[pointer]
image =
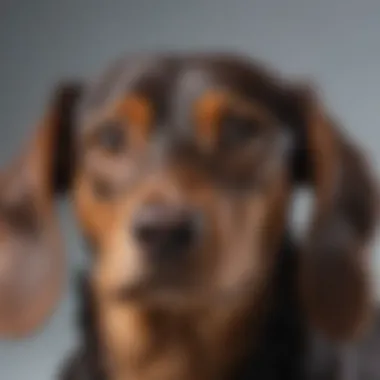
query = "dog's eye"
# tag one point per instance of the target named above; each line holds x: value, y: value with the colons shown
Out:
x: 236, y: 130
x: 111, y: 136
x: 102, y: 189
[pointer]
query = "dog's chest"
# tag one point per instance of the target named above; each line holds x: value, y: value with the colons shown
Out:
x: 170, y: 347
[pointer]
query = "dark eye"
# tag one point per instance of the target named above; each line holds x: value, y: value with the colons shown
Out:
x: 102, y: 189
x: 237, y: 130
x: 111, y: 136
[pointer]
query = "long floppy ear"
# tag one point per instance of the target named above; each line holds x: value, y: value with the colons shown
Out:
x: 32, y: 262
x: 335, y: 282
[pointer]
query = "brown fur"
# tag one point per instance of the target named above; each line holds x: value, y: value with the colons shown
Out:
x: 192, y: 321
x: 32, y: 261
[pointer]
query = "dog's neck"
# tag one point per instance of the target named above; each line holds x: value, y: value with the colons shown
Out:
x: 153, y: 344
x: 214, y: 343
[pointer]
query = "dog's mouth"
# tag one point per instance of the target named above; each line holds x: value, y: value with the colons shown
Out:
x: 136, y: 291
x: 171, y: 287
x: 180, y: 292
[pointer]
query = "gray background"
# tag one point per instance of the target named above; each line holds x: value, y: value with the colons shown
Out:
x: 335, y: 42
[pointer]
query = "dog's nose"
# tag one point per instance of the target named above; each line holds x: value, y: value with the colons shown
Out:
x: 166, y: 231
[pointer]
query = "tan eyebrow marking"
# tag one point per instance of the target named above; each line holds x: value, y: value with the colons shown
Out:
x: 134, y: 111
x: 209, y: 109
x: 139, y: 114
x: 207, y: 112
x: 137, y: 109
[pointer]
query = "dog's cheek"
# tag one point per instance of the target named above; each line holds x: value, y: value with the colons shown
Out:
x: 94, y: 217
x: 116, y: 262
x: 238, y: 226
x: 119, y: 264
x: 257, y: 231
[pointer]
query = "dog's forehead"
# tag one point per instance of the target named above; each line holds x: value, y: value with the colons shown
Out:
x: 123, y: 76
x: 173, y: 80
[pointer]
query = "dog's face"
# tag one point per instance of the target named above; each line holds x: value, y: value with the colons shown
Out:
x: 180, y: 168
x: 181, y: 181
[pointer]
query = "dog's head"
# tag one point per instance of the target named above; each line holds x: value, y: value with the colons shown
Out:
x: 184, y: 168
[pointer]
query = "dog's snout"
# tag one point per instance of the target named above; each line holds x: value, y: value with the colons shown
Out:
x: 166, y: 231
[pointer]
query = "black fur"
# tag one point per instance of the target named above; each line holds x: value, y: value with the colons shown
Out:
x: 287, y: 351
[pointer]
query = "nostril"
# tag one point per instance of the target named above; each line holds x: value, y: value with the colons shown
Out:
x: 184, y: 233
x: 146, y: 234
x: 165, y: 231
x: 166, y: 235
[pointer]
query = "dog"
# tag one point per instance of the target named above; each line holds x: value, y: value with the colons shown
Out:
x: 182, y: 168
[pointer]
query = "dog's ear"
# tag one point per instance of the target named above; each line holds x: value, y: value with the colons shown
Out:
x: 32, y: 263
x: 335, y: 283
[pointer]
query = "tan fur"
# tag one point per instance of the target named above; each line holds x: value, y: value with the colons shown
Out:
x: 193, y: 341
x: 209, y: 108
